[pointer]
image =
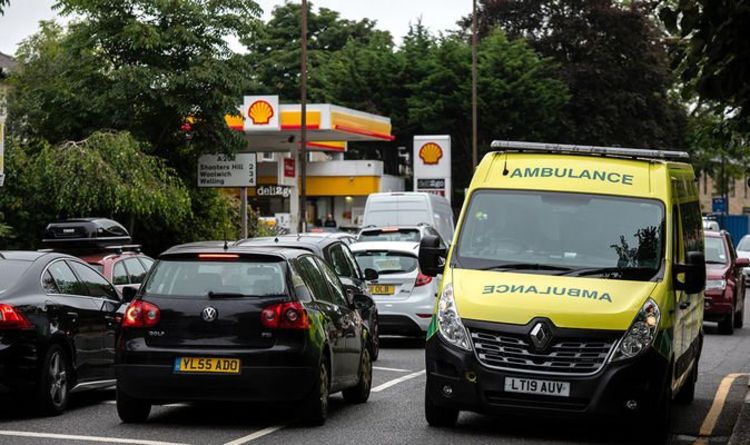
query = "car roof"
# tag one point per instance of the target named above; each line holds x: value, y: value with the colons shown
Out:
x: 192, y: 248
x: 102, y: 256
x: 713, y: 233
x: 29, y: 255
x: 396, y: 246
x: 311, y: 240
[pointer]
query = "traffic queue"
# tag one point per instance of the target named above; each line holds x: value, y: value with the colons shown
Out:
x: 573, y: 286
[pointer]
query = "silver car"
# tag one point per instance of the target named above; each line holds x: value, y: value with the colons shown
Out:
x: 743, y: 251
x: 404, y: 296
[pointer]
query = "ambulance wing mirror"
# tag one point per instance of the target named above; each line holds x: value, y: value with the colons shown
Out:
x: 691, y: 276
x: 431, y: 255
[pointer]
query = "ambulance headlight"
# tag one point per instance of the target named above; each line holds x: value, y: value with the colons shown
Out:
x: 449, y: 323
x: 642, y: 332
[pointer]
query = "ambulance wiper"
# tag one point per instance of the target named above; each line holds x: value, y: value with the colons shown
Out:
x: 525, y: 266
x: 619, y: 271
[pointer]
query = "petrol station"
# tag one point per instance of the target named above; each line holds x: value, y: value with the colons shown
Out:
x: 333, y: 185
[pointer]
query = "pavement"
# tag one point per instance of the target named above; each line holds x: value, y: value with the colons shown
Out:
x: 394, y: 413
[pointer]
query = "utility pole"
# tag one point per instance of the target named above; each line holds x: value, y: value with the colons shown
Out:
x: 302, y: 221
x: 474, y: 154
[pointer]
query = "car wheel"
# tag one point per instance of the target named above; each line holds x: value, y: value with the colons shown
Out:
x: 686, y: 394
x: 316, y: 406
x: 375, y: 342
x: 361, y: 392
x: 739, y: 317
x: 726, y: 326
x: 439, y: 416
x: 54, y: 384
x: 132, y: 410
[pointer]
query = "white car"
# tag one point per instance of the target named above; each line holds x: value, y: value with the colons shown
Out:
x: 404, y: 296
x: 743, y: 251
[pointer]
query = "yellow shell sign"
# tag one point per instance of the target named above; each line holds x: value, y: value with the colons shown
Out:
x: 260, y: 112
x: 430, y: 153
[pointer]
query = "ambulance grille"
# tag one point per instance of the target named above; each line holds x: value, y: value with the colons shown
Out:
x: 566, y: 356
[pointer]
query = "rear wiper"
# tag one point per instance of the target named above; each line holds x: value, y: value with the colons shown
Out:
x: 212, y: 294
x: 610, y: 270
x: 525, y: 266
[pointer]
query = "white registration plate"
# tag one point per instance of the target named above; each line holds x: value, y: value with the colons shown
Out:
x: 539, y: 387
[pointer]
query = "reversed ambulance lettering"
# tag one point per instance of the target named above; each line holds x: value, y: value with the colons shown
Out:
x: 572, y: 173
x: 547, y: 290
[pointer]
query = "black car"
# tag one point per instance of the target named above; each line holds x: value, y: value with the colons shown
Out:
x: 333, y: 248
x: 241, y: 324
x: 58, y: 320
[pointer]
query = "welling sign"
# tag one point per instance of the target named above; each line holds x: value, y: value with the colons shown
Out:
x: 227, y: 171
x: 432, y: 165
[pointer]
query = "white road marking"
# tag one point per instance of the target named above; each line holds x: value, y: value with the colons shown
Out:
x: 394, y: 382
x: 85, y: 438
x: 256, y: 435
x: 382, y: 368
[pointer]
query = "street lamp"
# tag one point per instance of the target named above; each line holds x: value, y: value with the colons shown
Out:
x: 303, y: 124
x: 474, y: 153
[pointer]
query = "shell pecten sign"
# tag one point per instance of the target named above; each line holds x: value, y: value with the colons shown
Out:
x: 430, y: 153
x: 261, y: 113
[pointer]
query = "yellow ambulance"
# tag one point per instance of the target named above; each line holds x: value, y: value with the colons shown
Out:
x: 573, y: 287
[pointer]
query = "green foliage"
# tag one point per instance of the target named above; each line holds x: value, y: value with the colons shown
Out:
x: 3, y: 4
x: 713, y: 55
x: 611, y: 56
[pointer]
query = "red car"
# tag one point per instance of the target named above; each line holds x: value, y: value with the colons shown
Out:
x: 725, y: 284
x: 120, y: 266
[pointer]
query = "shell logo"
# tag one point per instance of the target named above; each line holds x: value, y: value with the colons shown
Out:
x: 260, y: 112
x: 431, y: 153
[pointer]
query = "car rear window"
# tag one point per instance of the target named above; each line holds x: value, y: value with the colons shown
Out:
x: 386, y: 262
x: 390, y: 235
x: 11, y: 271
x: 232, y: 278
x: 744, y: 243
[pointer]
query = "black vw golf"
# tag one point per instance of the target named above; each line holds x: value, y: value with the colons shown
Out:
x: 241, y: 324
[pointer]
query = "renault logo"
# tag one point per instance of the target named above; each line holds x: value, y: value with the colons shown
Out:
x: 209, y: 313
x: 540, y: 335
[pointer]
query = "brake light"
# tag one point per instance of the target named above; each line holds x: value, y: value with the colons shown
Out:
x: 285, y: 316
x: 389, y: 229
x: 12, y: 318
x: 218, y: 256
x: 422, y: 280
x: 141, y: 314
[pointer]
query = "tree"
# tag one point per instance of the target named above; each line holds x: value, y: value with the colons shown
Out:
x: 713, y: 55
x: 613, y: 59
x: 3, y: 4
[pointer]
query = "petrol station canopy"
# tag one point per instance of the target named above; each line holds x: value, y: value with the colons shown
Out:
x: 269, y: 126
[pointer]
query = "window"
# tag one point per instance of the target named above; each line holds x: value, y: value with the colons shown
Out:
x: 97, y: 285
x: 314, y: 279
x: 352, y: 262
x: 337, y: 291
x: 65, y: 279
x: 337, y: 259
x: 119, y: 274
x: 147, y: 262
x: 386, y: 262
x: 391, y: 234
x: 300, y: 288
x: 135, y: 269
x: 48, y: 283
x: 692, y: 226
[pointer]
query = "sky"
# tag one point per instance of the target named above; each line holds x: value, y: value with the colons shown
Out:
x: 22, y: 17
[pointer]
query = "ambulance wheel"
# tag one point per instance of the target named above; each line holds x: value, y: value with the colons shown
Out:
x: 439, y: 416
x: 686, y: 395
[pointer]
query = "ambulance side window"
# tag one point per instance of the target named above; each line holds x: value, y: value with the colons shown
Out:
x: 676, y: 258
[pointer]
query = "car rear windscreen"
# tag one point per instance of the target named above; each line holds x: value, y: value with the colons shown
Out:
x: 390, y: 235
x: 205, y: 278
x: 385, y: 262
x: 11, y: 271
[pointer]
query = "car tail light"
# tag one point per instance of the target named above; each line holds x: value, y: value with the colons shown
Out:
x: 285, y: 316
x: 141, y: 314
x: 12, y: 318
x: 422, y: 280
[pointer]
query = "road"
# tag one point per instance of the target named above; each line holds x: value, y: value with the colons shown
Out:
x: 394, y: 414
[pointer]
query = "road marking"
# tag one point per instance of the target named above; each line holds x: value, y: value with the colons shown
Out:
x: 709, y: 423
x: 393, y: 382
x: 381, y: 368
x: 256, y: 435
x: 85, y: 438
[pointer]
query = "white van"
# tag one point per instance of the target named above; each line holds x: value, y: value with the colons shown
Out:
x: 410, y: 208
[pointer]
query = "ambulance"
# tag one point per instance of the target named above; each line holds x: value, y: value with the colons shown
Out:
x: 573, y: 288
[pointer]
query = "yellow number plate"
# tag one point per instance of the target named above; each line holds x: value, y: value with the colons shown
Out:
x: 212, y: 365
x: 382, y: 289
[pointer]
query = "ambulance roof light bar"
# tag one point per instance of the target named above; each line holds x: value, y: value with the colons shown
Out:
x: 592, y: 150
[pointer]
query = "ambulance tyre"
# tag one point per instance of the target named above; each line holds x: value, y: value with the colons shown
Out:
x: 686, y: 394
x: 439, y: 416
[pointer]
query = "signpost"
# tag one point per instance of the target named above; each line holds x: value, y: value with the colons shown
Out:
x: 432, y: 165
x: 227, y: 171
x: 719, y: 205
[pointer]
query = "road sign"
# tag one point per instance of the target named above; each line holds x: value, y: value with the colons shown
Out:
x: 227, y: 171
x: 719, y: 205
